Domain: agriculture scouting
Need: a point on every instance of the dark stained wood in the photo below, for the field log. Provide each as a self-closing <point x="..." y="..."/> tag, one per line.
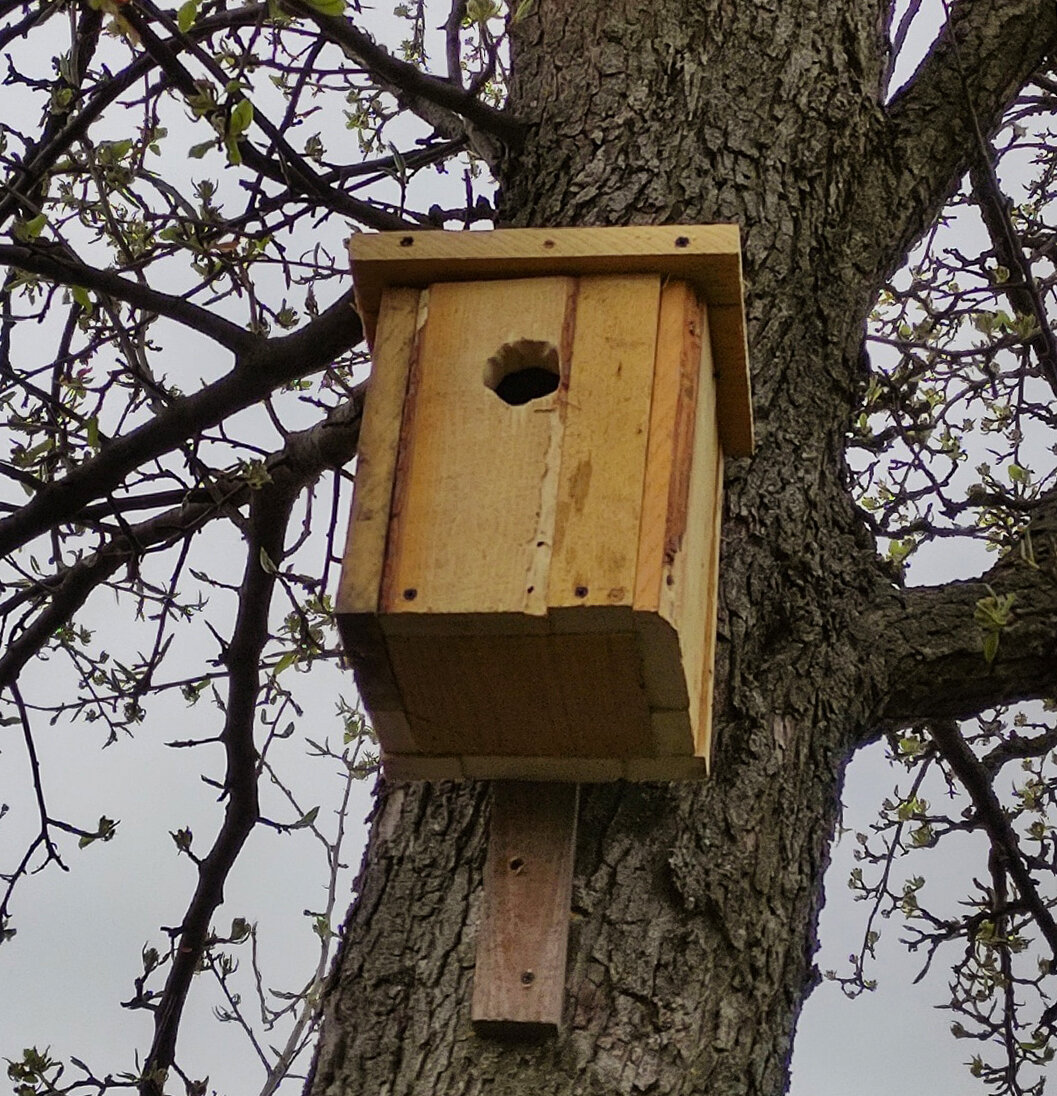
<point x="519" y="981"/>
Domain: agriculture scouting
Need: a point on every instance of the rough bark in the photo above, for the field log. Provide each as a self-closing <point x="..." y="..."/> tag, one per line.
<point x="695" y="905"/>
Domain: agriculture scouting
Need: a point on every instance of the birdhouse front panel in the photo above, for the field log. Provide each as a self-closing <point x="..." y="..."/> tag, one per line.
<point x="528" y="589"/>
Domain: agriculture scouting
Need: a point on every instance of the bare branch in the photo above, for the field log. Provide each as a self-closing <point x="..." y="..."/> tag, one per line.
<point x="51" y="262"/>
<point x="267" y="365"/>
<point x="928" y="139"/>
<point x="417" y="90"/>
<point x="935" y="657"/>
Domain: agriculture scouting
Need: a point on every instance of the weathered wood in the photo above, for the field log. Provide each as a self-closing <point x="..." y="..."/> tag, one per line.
<point x="548" y="565"/>
<point x="559" y="695"/>
<point x="707" y="256"/>
<point x="519" y="979"/>
<point x="362" y="566"/>
<point x="688" y="591"/>
<point x="361" y="571"/>
<point x="603" y="452"/>
<point x="471" y="523"/>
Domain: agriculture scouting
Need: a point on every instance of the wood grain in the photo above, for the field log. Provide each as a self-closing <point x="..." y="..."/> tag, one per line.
<point x="522" y="941"/>
<point x="362" y="566"/>
<point x="476" y="474"/>
<point x="603" y="455"/>
<point x="707" y="256"/>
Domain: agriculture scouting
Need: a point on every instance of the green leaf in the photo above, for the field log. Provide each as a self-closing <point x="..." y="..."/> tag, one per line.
<point x="306" y="819"/>
<point x="82" y="297"/>
<point x="196" y="152"/>
<point x="92" y="427"/>
<point x="185" y="17"/>
<point x="990" y="647"/>
<point x="286" y="661"/>
<point x="30" y="230"/>
<point x="266" y="563"/>
<point x="327" y="7"/>
<point x="241" y="118"/>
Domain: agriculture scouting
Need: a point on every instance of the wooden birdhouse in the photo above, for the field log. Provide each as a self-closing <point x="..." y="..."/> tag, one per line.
<point x="529" y="586"/>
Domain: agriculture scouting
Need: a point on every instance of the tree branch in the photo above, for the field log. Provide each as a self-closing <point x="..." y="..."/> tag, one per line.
<point x="266" y="365"/>
<point x="270" y="509"/>
<point x="416" y="90"/>
<point x="50" y="262"/>
<point x="994" y="818"/>
<point x="42" y="157"/>
<point x="930" y="135"/>
<point x="306" y="454"/>
<point x="934" y="660"/>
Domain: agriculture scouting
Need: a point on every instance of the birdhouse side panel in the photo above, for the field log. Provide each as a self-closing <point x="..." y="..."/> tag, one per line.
<point x="473" y="502"/>
<point x="689" y="589"/>
<point x="362" y="565"/>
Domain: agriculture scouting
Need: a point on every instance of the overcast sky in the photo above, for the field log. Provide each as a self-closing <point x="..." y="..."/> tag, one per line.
<point x="80" y="933"/>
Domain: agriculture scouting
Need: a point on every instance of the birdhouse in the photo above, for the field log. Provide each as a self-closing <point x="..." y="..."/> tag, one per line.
<point x="529" y="584"/>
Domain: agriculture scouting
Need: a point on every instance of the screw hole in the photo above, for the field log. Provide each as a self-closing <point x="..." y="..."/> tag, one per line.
<point x="581" y="591"/>
<point x="682" y="241"/>
<point x="517" y="863"/>
<point x="527" y="977"/>
<point x="407" y="241"/>
<point x="410" y="594"/>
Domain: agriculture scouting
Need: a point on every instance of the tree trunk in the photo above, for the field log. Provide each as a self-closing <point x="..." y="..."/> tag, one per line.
<point x="694" y="905"/>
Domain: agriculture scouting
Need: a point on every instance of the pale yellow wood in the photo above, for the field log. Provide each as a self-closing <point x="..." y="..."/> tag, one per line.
<point x="673" y="732"/>
<point x="474" y="498"/>
<point x="665" y="768"/>
<point x="580" y="770"/>
<point x="733" y="393"/>
<point x="688" y="590"/>
<point x="673" y="409"/>
<point x="703" y="737"/>
<point x="604" y="449"/>
<point x="708" y="256"/>
<point x="663" y="673"/>
<point x="421" y="767"/>
<point x="361" y="571"/>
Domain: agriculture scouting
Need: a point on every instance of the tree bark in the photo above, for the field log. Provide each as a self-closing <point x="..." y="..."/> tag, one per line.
<point x="694" y="906"/>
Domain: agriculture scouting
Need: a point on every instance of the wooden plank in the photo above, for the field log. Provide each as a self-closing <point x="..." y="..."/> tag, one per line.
<point x="669" y="451"/>
<point x="473" y="510"/>
<point x="604" y="449"/>
<point x="703" y="733"/>
<point x="688" y="592"/>
<point x="361" y="570"/>
<point x="522" y="941"/>
<point x="733" y="391"/>
<point x="709" y="256"/>
<point x="555" y="695"/>
<point x="564" y="770"/>
<point x="364" y="644"/>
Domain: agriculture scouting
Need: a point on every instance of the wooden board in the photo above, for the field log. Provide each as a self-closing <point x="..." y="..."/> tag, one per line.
<point x="708" y="256"/>
<point x="522" y="941"/>
<point x="689" y="588"/>
<point x="566" y="770"/>
<point x="603" y="453"/>
<point x="559" y="695"/>
<point x="362" y="565"/>
<point x="473" y="511"/>
<point x="669" y="458"/>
